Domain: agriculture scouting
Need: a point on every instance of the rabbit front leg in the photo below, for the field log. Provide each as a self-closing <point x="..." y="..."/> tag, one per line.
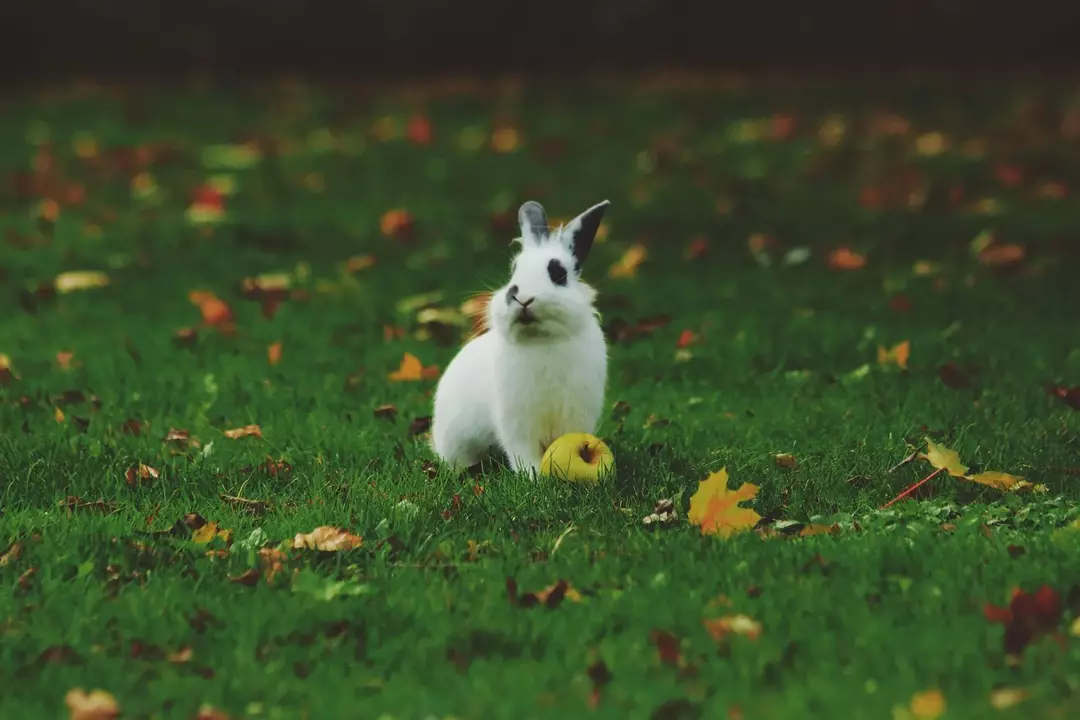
<point x="523" y="456"/>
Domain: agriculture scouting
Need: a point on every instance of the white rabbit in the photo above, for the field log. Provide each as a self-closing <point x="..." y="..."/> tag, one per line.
<point x="540" y="370"/>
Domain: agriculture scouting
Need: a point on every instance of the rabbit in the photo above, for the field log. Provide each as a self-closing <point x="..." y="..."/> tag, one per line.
<point x="540" y="370"/>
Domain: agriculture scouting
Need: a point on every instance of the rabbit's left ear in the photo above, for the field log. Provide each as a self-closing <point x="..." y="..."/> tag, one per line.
<point x="579" y="233"/>
<point x="533" y="221"/>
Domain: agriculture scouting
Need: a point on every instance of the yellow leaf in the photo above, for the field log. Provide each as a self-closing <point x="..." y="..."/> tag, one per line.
<point x="942" y="458"/>
<point x="1005" y="698"/>
<point x="327" y="538"/>
<point x="209" y="531"/>
<point x="273" y="353"/>
<point x="897" y="355"/>
<point x="93" y="705"/>
<point x="928" y="705"/>
<point x="412" y="369"/>
<point x="716" y="508"/>
<point x="627" y="265"/>
<point x="1000" y="481"/>
<point x="931" y="143"/>
<point x="721" y="627"/>
<point x="1074" y="629"/>
<point x="74" y="280"/>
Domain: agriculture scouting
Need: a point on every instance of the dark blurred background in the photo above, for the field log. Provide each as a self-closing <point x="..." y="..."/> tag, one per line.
<point x="387" y="38"/>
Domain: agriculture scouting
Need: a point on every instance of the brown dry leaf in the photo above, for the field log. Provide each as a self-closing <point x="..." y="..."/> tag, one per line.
<point x="942" y="458"/>
<point x="141" y="474"/>
<point x="396" y="223"/>
<point x="845" y="259"/>
<point x="897" y="355"/>
<point x="11" y="554"/>
<point x="358" y="263"/>
<point x="95" y="705"/>
<point x="820" y="529"/>
<point x="209" y="712"/>
<point x="75" y="280"/>
<point x="273" y="353"/>
<point x="181" y="656"/>
<point x="786" y="460"/>
<point x="999" y="254"/>
<point x="215" y="312"/>
<point x="64" y="359"/>
<point x="273" y="562"/>
<point x="721" y="628"/>
<point x="1005" y="698"/>
<point x="716" y="509"/>
<point x="928" y="705"/>
<point x="627" y="265"/>
<point x="245" y="431"/>
<point x="327" y="538"/>
<point x="412" y="369"/>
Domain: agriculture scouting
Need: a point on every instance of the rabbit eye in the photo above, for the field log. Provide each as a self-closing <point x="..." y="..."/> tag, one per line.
<point x="557" y="272"/>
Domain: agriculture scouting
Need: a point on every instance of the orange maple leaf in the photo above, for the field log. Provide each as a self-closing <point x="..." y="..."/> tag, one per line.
<point x="845" y="259"/>
<point x="215" y="312"/>
<point x="898" y="354"/>
<point x="412" y="369"/>
<point x="716" y="508"/>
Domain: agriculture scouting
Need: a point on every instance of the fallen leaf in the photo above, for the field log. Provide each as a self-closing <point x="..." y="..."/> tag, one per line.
<point x="845" y="259"/>
<point x="419" y="130"/>
<point x="1005" y="698"/>
<point x="209" y="712"/>
<point x="252" y="507"/>
<point x="358" y="263"/>
<point x="273" y="353"/>
<point x="327" y="538"/>
<point x="386" y="412"/>
<point x="207" y="205"/>
<point x="1069" y="396"/>
<point x="686" y="338"/>
<point x="627" y="265"/>
<point x="210" y="530"/>
<point x="95" y="705"/>
<point x="245" y="431"/>
<point x="942" y="458"/>
<point x="412" y="369"/>
<point x="716" y="509"/>
<point x="786" y="460"/>
<point x="1001" y="254"/>
<point x="931" y="143"/>
<point x="11" y="554"/>
<point x="505" y="139"/>
<point x="396" y="223"/>
<point x="550" y="597"/>
<point x="140" y="474"/>
<point x="720" y="628"/>
<point x="74" y="280"/>
<point x="273" y="562"/>
<point x="1000" y="481"/>
<point x="667" y="647"/>
<point x="897" y="355"/>
<point x="64" y="360"/>
<point x="7" y="374"/>
<point x="927" y="705"/>
<point x="1028" y="616"/>
<point x="215" y="312"/>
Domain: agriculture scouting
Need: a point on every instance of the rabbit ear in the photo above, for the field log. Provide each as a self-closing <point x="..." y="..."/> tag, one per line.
<point x="579" y="233"/>
<point x="533" y="221"/>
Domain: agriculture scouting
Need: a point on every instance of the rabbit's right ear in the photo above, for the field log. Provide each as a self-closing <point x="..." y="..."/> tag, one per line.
<point x="533" y="221"/>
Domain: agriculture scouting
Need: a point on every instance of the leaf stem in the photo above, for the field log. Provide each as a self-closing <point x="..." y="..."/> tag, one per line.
<point x="914" y="487"/>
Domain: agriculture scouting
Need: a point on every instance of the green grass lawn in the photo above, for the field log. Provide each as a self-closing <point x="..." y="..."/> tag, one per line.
<point x="736" y="338"/>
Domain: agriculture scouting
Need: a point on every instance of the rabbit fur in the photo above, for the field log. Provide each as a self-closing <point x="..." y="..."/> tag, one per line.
<point x="540" y="370"/>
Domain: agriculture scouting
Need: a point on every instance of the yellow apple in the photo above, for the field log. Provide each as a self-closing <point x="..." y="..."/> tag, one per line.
<point x="578" y="457"/>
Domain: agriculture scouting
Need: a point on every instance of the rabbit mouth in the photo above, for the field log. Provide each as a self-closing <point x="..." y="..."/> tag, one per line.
<point x="525" y="317"/>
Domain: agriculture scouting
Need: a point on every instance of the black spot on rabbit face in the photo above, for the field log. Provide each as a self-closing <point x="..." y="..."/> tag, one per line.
<point x="557" y="272"/>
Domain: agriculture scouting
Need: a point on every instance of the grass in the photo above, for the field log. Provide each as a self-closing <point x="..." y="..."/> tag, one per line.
<point x="109" y="589"/>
